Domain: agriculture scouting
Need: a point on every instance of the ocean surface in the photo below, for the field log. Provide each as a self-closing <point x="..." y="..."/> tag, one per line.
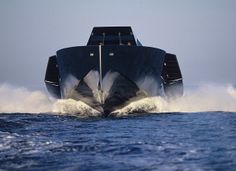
<point x="144" y="141"/>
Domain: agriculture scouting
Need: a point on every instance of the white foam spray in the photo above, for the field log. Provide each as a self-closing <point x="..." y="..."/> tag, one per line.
<point x="70" y="83"/>
<point x="206" y="98"/>
<point x="149" y="85"/>
<point x="14" y="99"/>
<point x="92" y="81"/>
<point x="22" y="100"/>
<point x="145" y="105"/>
<point x="203" y="98"/>
<point x="73" y="107"/>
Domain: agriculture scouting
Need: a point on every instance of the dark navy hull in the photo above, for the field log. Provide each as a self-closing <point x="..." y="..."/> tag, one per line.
<point x="107" y="77"/>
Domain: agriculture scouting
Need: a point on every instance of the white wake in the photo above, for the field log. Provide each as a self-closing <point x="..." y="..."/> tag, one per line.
<point x="204" y="98"/>
<point x="19" y="99"/>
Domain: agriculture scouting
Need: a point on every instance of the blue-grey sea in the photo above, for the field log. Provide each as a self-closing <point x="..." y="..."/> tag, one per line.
<point x="158" y="141"/>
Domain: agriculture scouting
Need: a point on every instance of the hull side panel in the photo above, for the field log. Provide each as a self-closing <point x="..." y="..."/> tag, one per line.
<point x="52" y="77"/>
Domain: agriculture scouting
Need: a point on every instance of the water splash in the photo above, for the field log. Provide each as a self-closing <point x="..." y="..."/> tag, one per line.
<point x="145" y="105"/>
<point x="91" y="79"/>
<point x="22" y="100"/>
<point x="203" y="98"/>
<point x="149" y="85"/>
<point x="73" y="107"/>
<point x="206" y="98"/>
<point x="231" y="91"/>
<point x="70" y="83"/>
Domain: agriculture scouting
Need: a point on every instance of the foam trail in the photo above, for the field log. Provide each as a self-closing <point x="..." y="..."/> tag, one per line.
<point x="22" y="100"/>
<point x="73" y="107"/>
<point x="145" y="105"/>
<point x="205" y="98"/>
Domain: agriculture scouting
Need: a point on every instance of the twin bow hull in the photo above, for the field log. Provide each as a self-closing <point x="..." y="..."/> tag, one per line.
<point x="108" y="77"/>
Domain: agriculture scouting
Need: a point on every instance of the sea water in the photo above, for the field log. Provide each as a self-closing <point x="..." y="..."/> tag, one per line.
<point x="195" y="132"/>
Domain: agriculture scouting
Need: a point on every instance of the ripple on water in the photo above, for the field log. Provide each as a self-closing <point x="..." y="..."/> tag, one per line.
<point x="173" y="141"/>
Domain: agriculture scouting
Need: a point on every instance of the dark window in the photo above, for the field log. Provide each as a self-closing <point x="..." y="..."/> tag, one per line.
<point x="112" y="39"/>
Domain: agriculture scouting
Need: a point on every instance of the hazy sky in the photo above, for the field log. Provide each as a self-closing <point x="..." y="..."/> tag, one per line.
<point x="202" y="33"/>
